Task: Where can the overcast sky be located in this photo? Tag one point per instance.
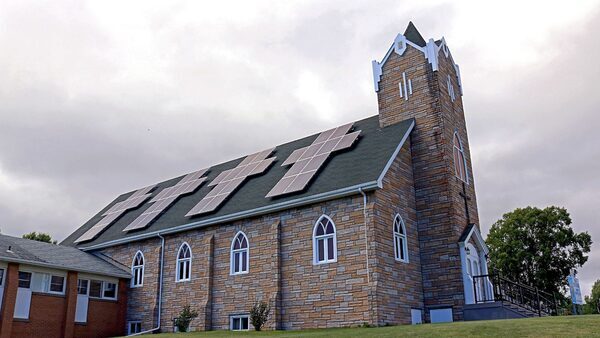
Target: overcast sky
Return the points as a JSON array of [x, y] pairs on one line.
[[98, 98]]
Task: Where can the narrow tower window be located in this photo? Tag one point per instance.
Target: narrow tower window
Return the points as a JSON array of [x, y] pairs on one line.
[[324, 241], [460, 164], [184, 263], [240, 257], [137, 270], [400, 240]]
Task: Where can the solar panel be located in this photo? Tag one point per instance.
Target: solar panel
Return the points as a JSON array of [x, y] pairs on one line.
[[227, 181], [116, 211], [166, 197], [308, 160]]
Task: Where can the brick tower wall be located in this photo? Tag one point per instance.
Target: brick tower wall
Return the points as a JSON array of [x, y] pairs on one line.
[[440, 210]]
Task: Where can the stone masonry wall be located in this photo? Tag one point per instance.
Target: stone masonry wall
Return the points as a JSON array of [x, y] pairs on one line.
[[281, 271], [398, 284], [440, 208]]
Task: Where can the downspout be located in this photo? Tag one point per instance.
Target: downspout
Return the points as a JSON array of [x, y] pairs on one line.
[[366, 239], [160, 286], [370, 291]]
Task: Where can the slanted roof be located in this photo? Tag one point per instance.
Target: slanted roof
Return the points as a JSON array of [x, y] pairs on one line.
[[411, 33], [26, 251], [361, 166]]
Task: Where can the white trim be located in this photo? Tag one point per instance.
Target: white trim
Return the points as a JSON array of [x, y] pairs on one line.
[[324, 237], [431, 52], [137, 267], [184, 260], [232, 253], [231, 318], [394, 155], [134, 322], [401, 237]]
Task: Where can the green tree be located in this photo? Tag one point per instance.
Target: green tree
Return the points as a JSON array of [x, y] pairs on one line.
[[537, 247], [592, 302], [40, 237]]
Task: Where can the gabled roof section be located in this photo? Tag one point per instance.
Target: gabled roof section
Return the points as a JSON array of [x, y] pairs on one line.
[[361, 166], [26, 251], [412, 34]]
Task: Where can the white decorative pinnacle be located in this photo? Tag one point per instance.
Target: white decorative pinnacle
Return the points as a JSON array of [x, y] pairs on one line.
[[431, 52]]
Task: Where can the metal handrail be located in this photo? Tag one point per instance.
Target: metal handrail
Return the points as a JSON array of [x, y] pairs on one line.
[[493, 287]]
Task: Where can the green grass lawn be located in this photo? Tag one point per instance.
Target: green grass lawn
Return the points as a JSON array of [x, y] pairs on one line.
[[567, 326]]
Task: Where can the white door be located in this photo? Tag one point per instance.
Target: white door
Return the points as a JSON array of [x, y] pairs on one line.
[[22, 304], [81, 308]]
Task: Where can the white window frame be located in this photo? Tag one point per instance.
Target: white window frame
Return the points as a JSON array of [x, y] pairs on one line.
[[64, 285], [184, 260], [133, 322], [87, 287], [400, 238], [19, 279], [240, 251], [460, 149], [325, 238], [139, 282], [240, 317], [104, 288]]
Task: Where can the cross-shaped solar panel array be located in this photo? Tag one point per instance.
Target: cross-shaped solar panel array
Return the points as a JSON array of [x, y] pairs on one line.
[[308, 160], [116, 211], [227, 181], [166, 197]]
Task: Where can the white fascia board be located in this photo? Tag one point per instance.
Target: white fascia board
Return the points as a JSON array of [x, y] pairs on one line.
[[243, 214], [394, 155], [60, 267]]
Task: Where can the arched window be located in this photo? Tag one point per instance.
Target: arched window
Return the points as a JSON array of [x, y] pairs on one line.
[[240, 257], [324, 241], [460, 164], [400, 241], [137, 270], [184, 263]]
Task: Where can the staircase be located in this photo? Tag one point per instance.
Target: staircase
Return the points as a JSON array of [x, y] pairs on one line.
[[499, 298]]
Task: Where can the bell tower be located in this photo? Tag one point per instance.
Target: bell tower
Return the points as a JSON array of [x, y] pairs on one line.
[[419, 79]]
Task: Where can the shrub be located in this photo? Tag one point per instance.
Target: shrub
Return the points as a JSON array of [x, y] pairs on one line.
[[259, 314], [185, 318]]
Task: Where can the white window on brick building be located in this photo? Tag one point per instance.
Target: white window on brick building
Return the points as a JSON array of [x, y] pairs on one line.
[[240, 255], [184, 263], [460, 164], [324, 241], [137, 270], [400, 240]]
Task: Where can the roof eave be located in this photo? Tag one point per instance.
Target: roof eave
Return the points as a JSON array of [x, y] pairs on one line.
[[61, 267], [395, 154], [244, 214]]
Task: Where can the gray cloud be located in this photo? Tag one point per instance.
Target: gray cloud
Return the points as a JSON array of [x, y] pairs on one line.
[[95, 102]]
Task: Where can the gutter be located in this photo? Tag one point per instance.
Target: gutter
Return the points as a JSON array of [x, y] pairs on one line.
[[62, 267], [160, 286], [240, 215]]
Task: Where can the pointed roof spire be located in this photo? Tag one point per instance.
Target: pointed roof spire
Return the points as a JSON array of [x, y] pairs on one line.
[[411, 33]]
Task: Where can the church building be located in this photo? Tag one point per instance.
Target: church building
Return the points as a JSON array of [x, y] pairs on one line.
[[374, 221]]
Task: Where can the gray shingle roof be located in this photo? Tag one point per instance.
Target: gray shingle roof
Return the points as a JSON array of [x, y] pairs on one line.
[[360, 166], [36, 253]]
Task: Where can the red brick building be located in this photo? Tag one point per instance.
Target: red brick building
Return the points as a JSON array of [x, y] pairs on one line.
[[48, 290], [374, 221]]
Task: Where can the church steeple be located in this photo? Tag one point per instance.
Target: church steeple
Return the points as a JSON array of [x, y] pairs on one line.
[[419, 79], [412, 34]]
